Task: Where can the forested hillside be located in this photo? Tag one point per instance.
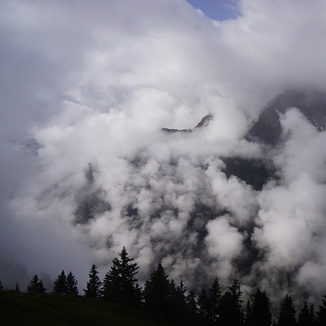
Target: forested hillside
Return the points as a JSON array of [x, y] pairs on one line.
[[119, 300]]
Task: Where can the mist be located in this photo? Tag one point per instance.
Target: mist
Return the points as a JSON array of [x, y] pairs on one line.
[[86, 90]]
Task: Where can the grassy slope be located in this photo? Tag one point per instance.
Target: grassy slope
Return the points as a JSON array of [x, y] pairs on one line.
[[33, 310]]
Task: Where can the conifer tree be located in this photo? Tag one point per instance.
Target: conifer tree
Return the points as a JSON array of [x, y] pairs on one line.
[[235, 290], [178, 310], [214, 299], [248, 314], [287, 312], [321, 313], [93, 285], [72, 284], [1, 286], [139, 296], [203, 306], [230, 307], [17, 287], [35, 285], [306, 316], [157, 292], [105, 288], [261, 309], [312, 314], [120, 284], [192, 305], [60, 284]]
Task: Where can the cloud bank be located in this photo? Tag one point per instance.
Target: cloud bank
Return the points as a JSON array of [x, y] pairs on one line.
[[86, 168]]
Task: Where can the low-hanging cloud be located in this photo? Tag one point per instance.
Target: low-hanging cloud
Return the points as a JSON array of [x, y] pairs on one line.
[[87, 89]]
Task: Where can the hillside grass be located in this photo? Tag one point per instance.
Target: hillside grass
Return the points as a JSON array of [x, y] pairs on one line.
[[22, 309]]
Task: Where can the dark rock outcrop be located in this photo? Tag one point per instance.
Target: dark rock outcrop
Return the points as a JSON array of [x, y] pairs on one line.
[[203, 123]]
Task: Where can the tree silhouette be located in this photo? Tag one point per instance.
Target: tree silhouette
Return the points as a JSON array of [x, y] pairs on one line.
[[175, 305], [306, 316], [35, 285], [120, 284], [178, 310], [248, 314], [214, 300], [93, 285], [203, 306], [60, 284], [192, 307], [230, 307], [157, 292], [321, 313], [287, 312], [261, 309], [72, 284]]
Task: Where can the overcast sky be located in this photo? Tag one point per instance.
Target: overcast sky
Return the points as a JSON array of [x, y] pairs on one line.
[[94, 82]]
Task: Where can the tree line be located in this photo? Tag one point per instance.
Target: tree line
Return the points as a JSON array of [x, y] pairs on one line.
[[176, 304]]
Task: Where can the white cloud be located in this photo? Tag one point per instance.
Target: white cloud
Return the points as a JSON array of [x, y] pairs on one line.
[[224, 243]]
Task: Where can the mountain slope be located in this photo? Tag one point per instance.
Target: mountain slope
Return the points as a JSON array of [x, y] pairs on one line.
[[311, 103]]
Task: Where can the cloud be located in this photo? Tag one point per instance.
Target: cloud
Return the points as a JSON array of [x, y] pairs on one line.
[[224, 243], [290, 220]]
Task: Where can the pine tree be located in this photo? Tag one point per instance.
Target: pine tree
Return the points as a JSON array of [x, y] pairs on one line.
[[306, 316], [261, 309], [1, 286], [287, 313], [312, 314], [72, 284], [17, 287], [120, 284], [321, 313], [106, 288], [214, 299], [235, 290], [203, 306], [178, 310], [93, 285], [248, 314], [60, 284], [192, 305], [230, 307], [139, 295], [157, 292], [35, 285]]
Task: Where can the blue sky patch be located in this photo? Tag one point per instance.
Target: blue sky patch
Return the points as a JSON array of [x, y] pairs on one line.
[[216, 9]]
